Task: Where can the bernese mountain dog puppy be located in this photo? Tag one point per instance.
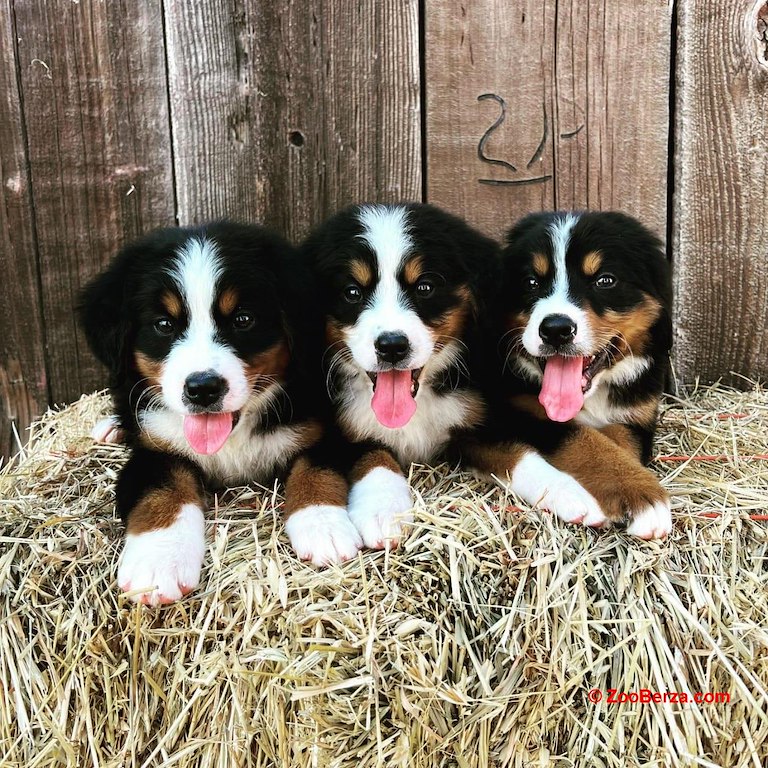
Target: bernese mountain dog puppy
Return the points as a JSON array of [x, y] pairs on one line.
[[402, 288], [202, 331], [586, 334]]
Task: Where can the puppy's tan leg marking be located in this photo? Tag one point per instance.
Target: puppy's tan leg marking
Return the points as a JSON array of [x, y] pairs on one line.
[[308, 485], [624, 488], [165, 541], [316, 518], [160, 507], [624, 438], [535, 481], [371, 460]]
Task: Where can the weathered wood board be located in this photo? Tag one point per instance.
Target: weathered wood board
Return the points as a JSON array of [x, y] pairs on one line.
[[283, 112], [94, 100], [23, 385], [116, 117], [537, 105], [721, 191]]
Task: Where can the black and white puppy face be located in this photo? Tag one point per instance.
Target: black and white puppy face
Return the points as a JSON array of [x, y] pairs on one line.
[[192, 320], [397, 291], [583, 296]]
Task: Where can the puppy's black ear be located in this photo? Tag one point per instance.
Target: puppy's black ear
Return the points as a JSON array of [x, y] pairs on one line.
[[103, 316]]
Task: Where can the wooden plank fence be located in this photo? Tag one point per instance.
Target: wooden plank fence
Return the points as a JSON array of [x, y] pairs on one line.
[[117, 117]]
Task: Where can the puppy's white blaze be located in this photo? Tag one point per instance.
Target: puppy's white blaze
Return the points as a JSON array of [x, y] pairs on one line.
[[386, 232], [165, 560], [197, 273], [385, 314], [559, 301], [379, 505], [323, 534], [540, 484], [560, 235]]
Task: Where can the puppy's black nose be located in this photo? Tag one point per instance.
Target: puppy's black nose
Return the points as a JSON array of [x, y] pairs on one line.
[[204, 387], [557, 330], [392, 347]]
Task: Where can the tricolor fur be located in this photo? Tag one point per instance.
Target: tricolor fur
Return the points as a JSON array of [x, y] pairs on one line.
[[402, 289], [203, 331], [584, 335]]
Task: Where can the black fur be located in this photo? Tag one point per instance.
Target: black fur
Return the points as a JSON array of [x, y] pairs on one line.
[[453, 255], [119, 309], [636, 258]]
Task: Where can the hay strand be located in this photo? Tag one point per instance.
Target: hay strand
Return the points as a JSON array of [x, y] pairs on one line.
[[473, 646]]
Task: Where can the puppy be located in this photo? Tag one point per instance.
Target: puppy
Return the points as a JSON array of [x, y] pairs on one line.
[[585, 332], [202, 332], [402, 289]]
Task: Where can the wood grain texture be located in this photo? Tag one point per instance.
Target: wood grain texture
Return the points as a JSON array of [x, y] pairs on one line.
[[23, 386], [586, 118], [95, 107], [284, 112], [490, 63], [721, 174]]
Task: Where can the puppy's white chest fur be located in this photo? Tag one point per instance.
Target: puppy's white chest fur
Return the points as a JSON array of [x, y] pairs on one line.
[[598, 411], [247, 456], [423, 437]]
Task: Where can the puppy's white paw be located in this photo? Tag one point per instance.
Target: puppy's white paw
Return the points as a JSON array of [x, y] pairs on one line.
[[108, 430], [323, 534], [540, 484], [571, 502], [379, 505], [164, 563], [652, 522]]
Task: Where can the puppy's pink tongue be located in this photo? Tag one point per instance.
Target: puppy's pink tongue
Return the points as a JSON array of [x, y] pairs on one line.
[[392, 403], [561, 393], [207, 432]]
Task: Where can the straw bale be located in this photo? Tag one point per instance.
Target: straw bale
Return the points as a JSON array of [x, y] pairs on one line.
[[472, 646]]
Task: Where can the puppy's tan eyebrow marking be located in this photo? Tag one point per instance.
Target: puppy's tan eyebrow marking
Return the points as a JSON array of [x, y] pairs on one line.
[[592, 262], [361, 272], [540, 264], [413, 269], [172, 304], [228, 301]]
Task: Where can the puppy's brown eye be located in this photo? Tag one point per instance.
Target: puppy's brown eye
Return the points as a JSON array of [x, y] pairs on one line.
[[164, 326], [605, 281], [424, 288], [243, 321], [353, 294], [532, 283]]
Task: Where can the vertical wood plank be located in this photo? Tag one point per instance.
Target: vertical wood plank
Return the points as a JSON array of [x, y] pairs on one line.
[[613, 78], [721, 173], [586, 114], [283, 112], [490, 117], [95, 106], [23, 387]]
